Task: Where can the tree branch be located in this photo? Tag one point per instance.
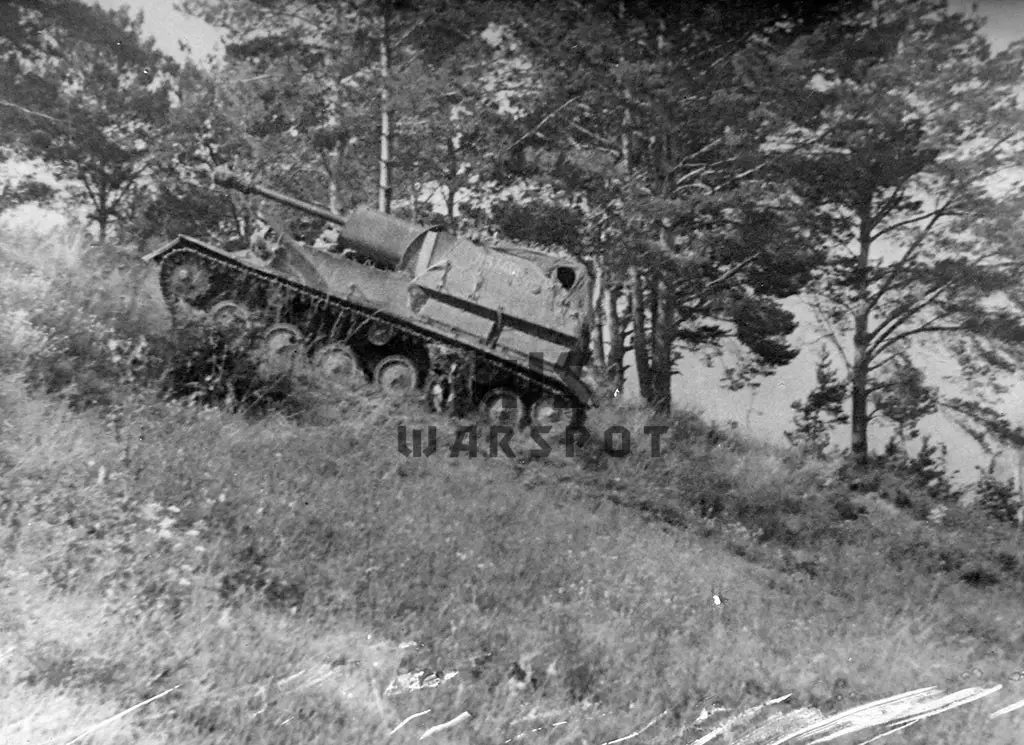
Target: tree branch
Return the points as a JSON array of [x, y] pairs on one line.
[[540, 124], [610, 145], [896, 269], [889, 204], [879, 365], [696, 154], [930, 326], [30, 112], [934, 215], [830, 333], [898, 318]]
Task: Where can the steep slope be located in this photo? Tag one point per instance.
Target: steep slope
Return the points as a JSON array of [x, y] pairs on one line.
[[285, 574]]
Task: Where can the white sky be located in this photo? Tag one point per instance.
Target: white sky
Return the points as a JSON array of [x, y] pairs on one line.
[[1005, 19], [168, 26]]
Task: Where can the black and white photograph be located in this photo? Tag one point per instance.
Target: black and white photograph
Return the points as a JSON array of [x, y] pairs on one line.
[[493, 372]]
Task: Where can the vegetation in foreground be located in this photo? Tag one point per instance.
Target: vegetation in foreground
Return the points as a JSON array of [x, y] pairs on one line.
[[276, 571]]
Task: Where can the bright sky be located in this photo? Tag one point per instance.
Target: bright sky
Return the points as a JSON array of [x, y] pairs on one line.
[[169, 27], [1005, 19]]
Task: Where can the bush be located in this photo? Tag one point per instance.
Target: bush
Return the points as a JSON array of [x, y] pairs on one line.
[[997, 498], [89, 333], [212, 366], [916, 484]]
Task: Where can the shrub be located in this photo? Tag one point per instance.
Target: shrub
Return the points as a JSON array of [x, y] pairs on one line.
[[997, 498], [89, 334], [913, 483], [79, 317], [210, 365]]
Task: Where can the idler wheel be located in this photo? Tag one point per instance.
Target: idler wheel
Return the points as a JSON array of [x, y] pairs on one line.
[[337, 362], [503, 407], [189, 280], [396, 374]]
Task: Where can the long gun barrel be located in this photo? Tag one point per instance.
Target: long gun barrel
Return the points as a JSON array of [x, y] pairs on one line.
[[385, 239], [224, 177]]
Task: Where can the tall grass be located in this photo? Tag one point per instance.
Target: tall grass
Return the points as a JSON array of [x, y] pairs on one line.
[[291, 577]]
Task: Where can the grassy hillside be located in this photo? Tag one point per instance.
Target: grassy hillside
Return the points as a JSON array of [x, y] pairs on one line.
[[278, 572]]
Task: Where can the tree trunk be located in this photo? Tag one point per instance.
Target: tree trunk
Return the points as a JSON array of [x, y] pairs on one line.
[[662, 343], [663, 324], [104, 212], [414, 202], [333, 167], [614, 291], [626, 139], [641, 349], [597, 323], [859, 391], [663, 336], [334, 155], [384, 191], [453, 175], [616, 334], [661, 389], [859, 383], [99, 196], [335, 161]]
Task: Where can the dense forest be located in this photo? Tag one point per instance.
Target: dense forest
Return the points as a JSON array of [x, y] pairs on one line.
[[706, 160]]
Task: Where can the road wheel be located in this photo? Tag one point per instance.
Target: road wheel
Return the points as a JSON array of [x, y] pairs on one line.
[[337, 362], [555, 412], [396, 374], [229, 314], [503, 407], [282, 344]]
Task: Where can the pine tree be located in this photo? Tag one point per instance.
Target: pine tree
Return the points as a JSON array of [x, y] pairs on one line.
[[904, 179], [88, 96], [823, 408]]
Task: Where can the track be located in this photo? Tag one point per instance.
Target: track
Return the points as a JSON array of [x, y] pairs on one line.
[[343, 338]]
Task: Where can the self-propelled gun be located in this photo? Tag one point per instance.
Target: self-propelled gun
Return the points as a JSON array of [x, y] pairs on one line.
[[502, 329]]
